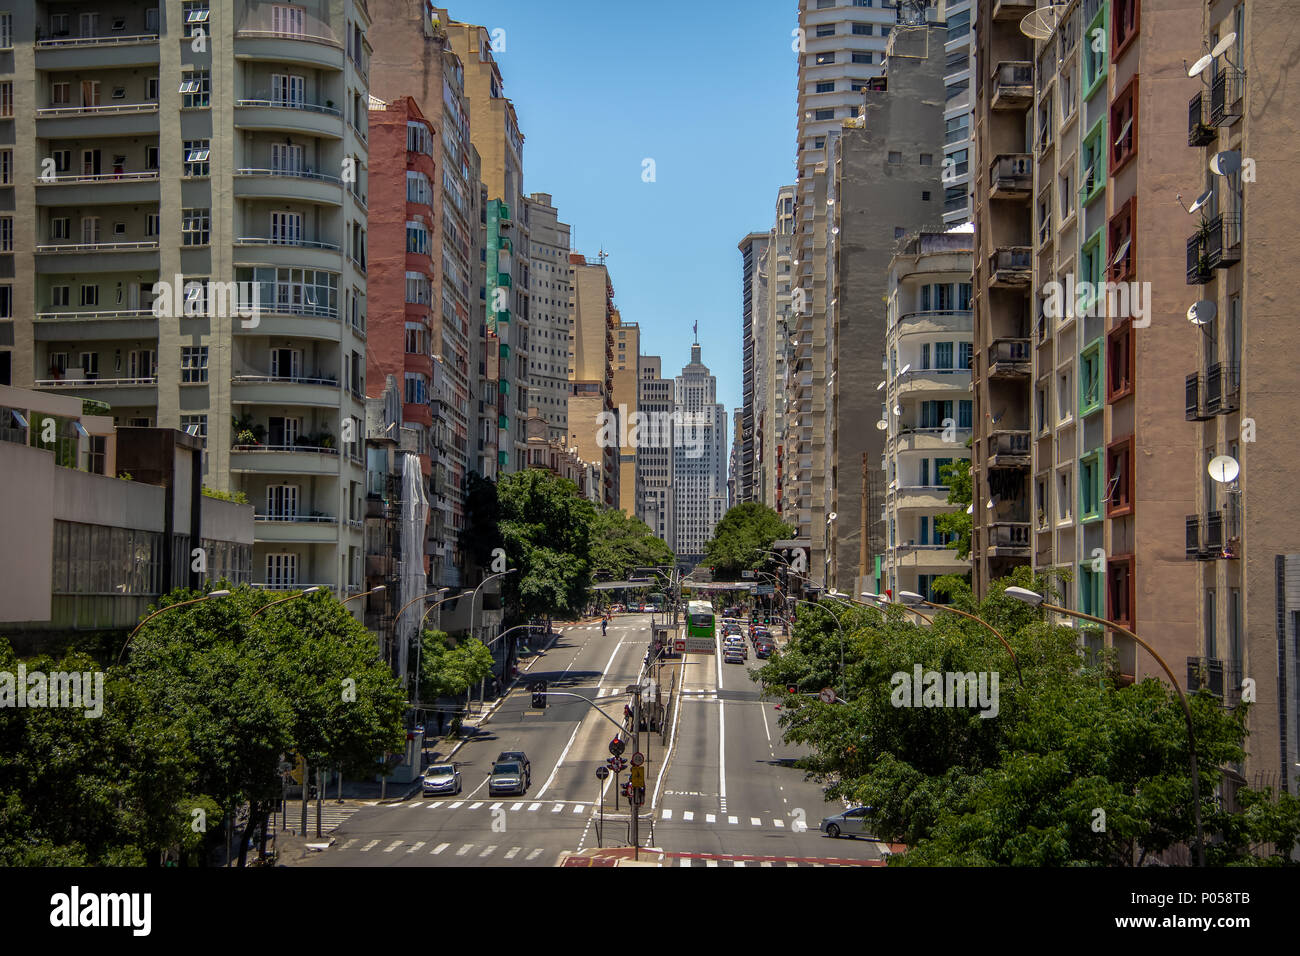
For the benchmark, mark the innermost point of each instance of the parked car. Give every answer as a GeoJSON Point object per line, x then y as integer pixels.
{"type": "Point", "coordinates": [518, 756]}
{"type": "Point", "coordinates": [441, 778]}
{"type": "Point", "coordinates": [507, 778]}
{"type": "Point", "coordinates": [849, 823]}
{"type": "Point", "coordinates": [733, 655]}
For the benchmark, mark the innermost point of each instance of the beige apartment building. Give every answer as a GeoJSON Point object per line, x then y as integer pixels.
{"type": "Point", "coordinates": [159, 153]}
{"type": "Point", "coordinates": [654, 458]}
{"type": "Point", "coordinates": [774, 428]}
{"type": "Point", "coordinates": [548, 333]}
{"type": "Point", "coordinates": [591, 369]}
{"type": "Point", "coordinates": [627, 402]}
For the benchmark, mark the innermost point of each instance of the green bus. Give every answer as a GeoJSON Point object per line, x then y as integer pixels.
{"type": "Point", "coordinates": [699, 619]}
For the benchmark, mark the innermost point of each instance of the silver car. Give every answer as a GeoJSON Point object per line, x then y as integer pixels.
{"type": "Point", "coordinates": [441, 778]}
{"type": "Point", "coordinates": [507, 778]}
{"type": "Point", "coordinates": [849, 823]}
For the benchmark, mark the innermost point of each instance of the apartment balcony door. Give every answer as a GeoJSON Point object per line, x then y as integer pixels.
{"type": "Point", "coordinates": [282, 432]}
{"type": "Point", "coordinates": [89, 230]}
{"type": "Point", "coordinates": [282, 501]}
{"type": "Point", "coordinates": [141, 363]}
{"type": "Point", "coordinates": [286, 158]}
{"type": "Point", "coordinates": [286, 363]}
{"type": "Point", "coordinates": [286, 228]}
{"type": "Point", "coordinates": [90, 365]}
{"type": "Point", "coordinates": [90, 26]}
{"type": "Point", "coordinates": [282, 570]}
{"type": "Point", "coordinates": [91, 162]}
{"type": "Point", "coordinates": [288, 90]}
{"type": "Point", "coordinates": [287, 20]}
{"type": "Point", "coordinates": [90, 93]}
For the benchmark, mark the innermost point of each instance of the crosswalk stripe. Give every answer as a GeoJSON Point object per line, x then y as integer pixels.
{"type": "Point", "coordinates": [495, 806]}
{"type": "Point", "coordinates": [516, 807]}
{"type": "Point", "coordinates": [579, 808]}
{"type": "Point", "coordinates": [393, 846]}
{"type": "Point", "coordinates": [348, 844]}
{"type": "Point", "coordinates": [416, 847]}
{"type": "Point", "coordinates": [688, 815]}
{"type": "Point", "coordinates": [766, 863]}
{"type": "Point", "coordinates": [683, 862]}
{"type": "Point", "coordinates": [668, 814]}
{"type": "Point", "coordinates": [738, 863]}
{"type": "Point", "coordinates": [513, 852]}
{"type": "Point", "coordinates": [732, 820]}
{"type": "Point", "coordinates": [369, 845]}
{"type": "Point", "coordinates": [488, 851]}
{"type": "Point", "coordinates": [477, 805]}
{"type": "Point", "coordinates": [710, 862]}
{"type": "Point", "coordinates": [465, 849]}
{"type": "Point", "coordinates": [755, 822]}
{"type": "Point", "coordinates": [438, 849]}
{"type": "Point", "coordinates": [533, 807]}
{"type": "Point", "coordinates": [535, 854]}
{"type": "Point", "coordinates": [458, 803]}
{"type": "Point", "coordinates": [779, 822]}
{"type": "Point", "coordinates": [710, 818]}
{"type": "Point", "coordinates": [557, 808]}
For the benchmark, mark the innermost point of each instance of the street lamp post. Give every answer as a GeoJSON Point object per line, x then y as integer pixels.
{"type": "Point", "coordinates": [292, 597]}
{"type": "Point", "coordinates": [911, 597]}
{"type": "Point", "coordinates": [472, 611]}
{"type": "Point", "coordinates": [884, 601]}
{"type": "Point", "coordinates": [209, 596]}
{"type": "Point", "coordinates": [1035, 599]}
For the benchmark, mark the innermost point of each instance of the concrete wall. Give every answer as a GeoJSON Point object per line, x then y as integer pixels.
{"type": "Point", "coordinates": [26, 516]}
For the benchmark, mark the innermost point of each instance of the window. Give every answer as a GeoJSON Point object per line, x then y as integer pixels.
{"type": "Point", "coordinates": [196, 157]}
{"type": "Point", "coordinates": [1119, 362]}
{"type": "Point", "coordinates": [418, 189]}
{"type": "Point", "coordinates": [895, 157]}
{"type": "Point", "coordinates": [1092, 163]}
{"type": "Point", "coordinates": [862, 30]}
{"type": "Point", "coordinates": [286, 19]}
{"type": "Point", "coordinates": [956, 89]}
{"type": "Point", "coordinates": [826, 30]}
{"type": "Point", "coordinates": [927, 159]}
{"type": "Point", "coordinates": [958, 25]}
{"type": "Point", "coordinates": [6, 167]}
{"type": "Point", "coordinates": [59, 295]}
{"type": "Point", "coordinates": [956, 129]}
{"type": "Point", "coordinates": [824, 114]}
{"type": "Point", "coordinates": [288, 89]}
{"type": "Point", "coordinates": [1094, 63]}
{"type": "Point", "coordinates": [196, 425]}
{"type": "Point", "coordinates": [1120, 236]}
{"type": "Point", "coordinates": [286, 158]}
{"type": "Point", "coordinates": [1120, 589]}
{"type": "Point", "coordinates": [417, 288]}
{"type": "Point", "coordinates": [6, 99]}
{"type": "Point", "coordinates": [6, 233]}
{"type": "Point", "coordinates": [89, 295]}
{"type": "Point", "coordinates": [196, 16]}
{"type": "Point", "coordinates": [826, 87]}
{"type": "Point", "coordinates": [418, 138]}
{"type": "Point", "coordinates": [1064, 495]}
{"type": "Point", "coordinates": [943, 355]}
{"type": "Point", "coordinates": [195, 226]}
{"type": "Point", "coordinates": [152, 221]}
{"type": "Point", "coordinates": [195, 89]}
{"type": "Point", "coordinates": [417, 389]}
{"type": "Point", "coordinates": [1090, 597]}
{"type": "Point", "coordinates": [1090, 379]}
{"type": "Point", "coordinates": [90, 230]}
{"type": "Point", "coordinates": [286, 228]}
{"type": "Point", "coordinates": [417, 238]}
{"type": "Point", "coordinates": [824, 58]}
{"type": "Point", "coordinates": [1119, 477]}
{"type": "Point", "coordinates": [194, 364]}
{"type": "Point", "coordinates": [1092, 270]}
{"type": "Point", "coordinates": [417, 339]}
{"type": "Point", "coordinates": [151, 157]}
{"type": "Point", "coordinates": [862, 57]}
{"type": "Point", "coordinates": [1089, 487]}
{"type": "Point", "coordinates": [6, 31]}
{"type": "Point", "coordinates": [282, 571]}
{"type": "Point", "coordinates": [1065, 196]}
{"type": "Point", "coordinates": [1124, 19]}
{"type": "Point", "coordinates": [1123, 123]}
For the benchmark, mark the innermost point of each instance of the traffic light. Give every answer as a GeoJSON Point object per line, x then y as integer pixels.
{"type": "Point", "coordinates": [539, 695]}
{"type": "Point", "coordinates": [791, 689]}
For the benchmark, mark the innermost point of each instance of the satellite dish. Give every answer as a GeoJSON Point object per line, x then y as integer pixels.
{"type": "Point", "coordinates": [1199, 66]}
{"type": "Point", "coordinates": [1226, 163]}
{"type": "Point", "coordinates": [898, 409]}
{"type": "Point", "coordinates": [1040, 24]}
{"type": "Point", "coordinates": [1224, 468]}
{"type": "Point", "coordinates": [1202, 312]}
{"type": "Point", "coordinates": [1201, 200]}
{"type": "Point", "coordinates": [970, 509]}
{"type": "Point", "coordinates": [905, 369]}
{"type": "Point", "coordinates": [880, 386]}
{"type": "Point", "coordinates": [1224, 45]}
{"type": "Point", "coordinates": [882, 424]}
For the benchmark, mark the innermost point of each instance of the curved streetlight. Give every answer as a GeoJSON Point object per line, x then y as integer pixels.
{"type": "Point", "coordinates": [884, 601]}
{"type": "Point", "coordinates": [1034, 599]}
{"type": "Point", "coordinates": [911, 597]}
{"type": "Point", "coordinates": [374, 590]}
{"type": "Point", "coordinates": [207, 597]}
{"type": "Point", "coordinates": [838, 627]}
{"type": "Point", "coordinates": [292, 597]}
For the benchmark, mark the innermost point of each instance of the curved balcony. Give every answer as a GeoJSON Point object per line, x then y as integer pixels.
{"type": "Point", "coordinates": [927, 558]}
{"type": "Point", "coordinates": [92, 122]}
{"type": "Point", "coordinates": [933, 323]}
{"type": "Point", "coordinates": [295, 529]}
{"type": "Point", "coordinates": [268, 113]}
{"type": "Point", "coordinates": [285, 390]}
{"type": "Point", "coordinates": [291, 253]}
{"type": "Point", "coordinates": [316, 49]}
{"type": "Point", "coordinates": [928, 381]}
{"type": "Point", "coordinates": [126, 391]}
{"type": "Point", "coordinates": [284, 460]}
{"type": "Point", "coordinates": [287, 321]}
{"type": "Point", "coordinates": [296, 185]}
{"type": "Point", "coordinates": [926, 439]}
{"type": "Point", "coordinates": [101, 189]}
{"type": "Point", "coordinates": [920, 497]}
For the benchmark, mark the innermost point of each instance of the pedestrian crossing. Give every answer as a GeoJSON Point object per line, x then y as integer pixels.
{"type": "Point", "coordinates": [724, 819]}
{"type": "Point", "coordinates": [702, 861]}
{"type": "Point", "coordinates": [577, 808]}
{"type": "Point", "coordinates": [332, 817]}
{"type": "Point", "coordinates": [455, 851]}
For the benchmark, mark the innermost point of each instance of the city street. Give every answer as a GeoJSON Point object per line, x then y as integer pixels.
{"type": "Point", "coordinates": [727, 797]}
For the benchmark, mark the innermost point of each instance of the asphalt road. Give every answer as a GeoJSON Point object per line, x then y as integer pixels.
{"type": "Point", "coordinates": [726, 797]}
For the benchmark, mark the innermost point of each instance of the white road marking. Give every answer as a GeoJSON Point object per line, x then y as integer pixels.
{"type": "Point", "coordinates": [710, 818]}
{"type": "Point", "coordinates": [488, 851]}
{"type": "Point", "coordinates": [732, 820]}
{"type": "Point", "coordinates": [683, 862]}
{"type": "Point", "coordinates": [495, 806]}
{"type": "Point", "coordinates": [416, 847]}
{"type": "Point", "coordinates": [393, 846]}
{"type": "Point", "coordinates": [348, 844]}
{"type": "Point", "coordinates": [755, 822]}
{"type": "Point", "coordinates": [515, 807]}
{"type": "Point", "coordinates": [458, 803]}
{"type": "Point", "coordinates": [535, 854]}
{"type": "Point", "coordinates": [438, 849]}
{"type": "Point", "coordinates": [513, 852]}
{"type": "Point", "coordinates": [579, 808]}
{"type": "Point", "coordinates": [778, 822]}
{"type": "Point", "coordinates": [465, 849]}
{"type": "Point", "coordinates": [533, 807]}
{"type": "Point", "coordinates": [688, 815]}
{"type": "Point", "coordinates": [564, 753]}
{"type": "Point", "coordinates": [668, 814]}
{"type": "Point", "coordinates": [370, 845]}
{"type": "Point", "coordinates": [476, 805]}
{"type": "Point", "coordinates": [738, 863]}
{"type": "Point", "coordinates": [557, 808]}
{"type": "Point", "coordinates": [766, 863]}
{"type": "Point", "coordinates": [710, 862]}
{"type": "Point", "coordinates": [766, 728]}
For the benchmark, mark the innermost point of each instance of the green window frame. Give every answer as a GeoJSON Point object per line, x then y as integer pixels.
{"type": "Point", "coordinates": [1091, 374]}
{"type": "Point", "coordinates": [1095, 62]}
{"type": "Point", "coordinates": [1092, 268]}
{"type": "Point", "coordinates": [1094, 156]}
{"type": "Point", "coordinates": [1091, 597]}
{"type": "Point", "coordinates": [1090, 486]}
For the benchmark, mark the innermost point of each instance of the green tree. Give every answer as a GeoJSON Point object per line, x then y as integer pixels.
{"type": "Point", "coordinates": [744, 532]}
{"type": "Point", "coordinates": [957, 476]}
{"type": "Point", "coordinates": [545, 526]}
{"type": "Point", "coordinates": [449, 668]}
{"type": "Point", "coordinates": [482, 530]}
{"type": "Point", "coordinates": [619, 544]}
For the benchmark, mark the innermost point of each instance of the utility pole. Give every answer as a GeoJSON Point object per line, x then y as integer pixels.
{"type": "Point", "coordinates": [634, 802]}
{"type": "Point", "coordinates": [320, 794]}
{"type": "Point", "coordinates": [306, 776]}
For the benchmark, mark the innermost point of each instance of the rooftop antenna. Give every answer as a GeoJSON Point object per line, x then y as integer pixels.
{"type": "Point", "coordinates": [602, 255]}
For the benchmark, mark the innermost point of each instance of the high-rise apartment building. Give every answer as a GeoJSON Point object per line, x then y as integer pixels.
{"type": "Point", "coordinates": [627, 401]}
{"type": "Point", "coordinates": [548, 332]}
{"type": "Point", "coordinates": [428, 208]}
{"type": "Point", "coordinates": [654, 454]}
{"type": "Point", "coordinates": [959, 100]}
{"type": "Point", "coordinates": [158, 154]}
{"type": "Point", "coordinates": [591, 371]}
{"type": "Point", "coordinates": [700, 454]}
{"type": "Point", "coordinates": [734, 467]}
{"type": "Point", "coordinates": [883, 184]}
{"type": "Point", "coordinates": [776, 425]}
{"type": "Point", "coordinates": [754, 292]}
{"type": "Point", "coordinates": [494, 129]}
{"type": "Point", "coordinates": [928, 380]}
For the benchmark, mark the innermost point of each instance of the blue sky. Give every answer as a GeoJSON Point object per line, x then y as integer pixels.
{"type": "Point", "coordinates": [705, 89]}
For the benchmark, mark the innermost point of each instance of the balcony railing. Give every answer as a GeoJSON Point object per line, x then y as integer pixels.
{"type": "Point", "coordinates": [1011, 266]}
{"type": "Point", "coordinates": [59, 247]}
{"type": "Point", "coordinates": [148, 175]}
{"type": "Point", "coordinates": [1225, 97]}
{"type": "Point", "coordinates": [1011, 174]}
{"type": "Point", "coordinates": [1008, 448]}
{"type": "Point", "coordinates": [1219, 678]}
{"type": "Point", "coordinates": [286, 241]}
{"type": "Point", "coordinates": [290, 379]}
{"type": "Point", "coordinates": [293, 173]}
{"type": "Point", "coordinates": [268, 101]}
{"type": "Point", "coordinates": [95, 382]}
{"type": "Point", "coordinates": [1200, 131]}
{"type": "Point", "coordinates": [1206, 537]}
{"type": "Point", "coordinates": [1013, 84]}
{"type": "Point", "coordinates": [1199, 270]}
{"type": "Point", "coordinates": [93, 316]}
{"type": "Point", "coordinates": [1010, 538]}
{"type": "Point", "coordinates": [59, 43]}
{"type": "Point", "coordinates": [289, 35]}
{"type": "Point", "coordinates": [1010, 358]}
{"type": "Point", "coordinates": [297, 518]}
{"type": "Point", "coordinates": [1223, 243]}
{"type": "Point", "coordinates": [48, 112]}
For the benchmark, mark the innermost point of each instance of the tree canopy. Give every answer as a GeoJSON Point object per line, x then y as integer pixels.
{"type": "Point", "coordinates": [545, 527]}
{"type": "Point", "coordinates": [620, 544]}
{"type": "Point", "coordinates": [741, 537]}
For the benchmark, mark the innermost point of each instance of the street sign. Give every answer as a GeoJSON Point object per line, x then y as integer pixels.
{"type": "Point", "coordinates": [617, 764]}
{"type": "Point", "coordinates": [700, 645]}
{"type": "Point", "coordinates": [602, 773]}
{"type": "Point", "coordinates": [637, 778]}
{"type": "Point", "coordinates": [827, 695]}
{"type": "Point", "coordinates": [638, 759]}
{"type": "Point", "coordinates": [765, 589]}
{"type": "Point", "coordinates": [746, 573]}
{"type": "Point", "coordinates": [616, 747]}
